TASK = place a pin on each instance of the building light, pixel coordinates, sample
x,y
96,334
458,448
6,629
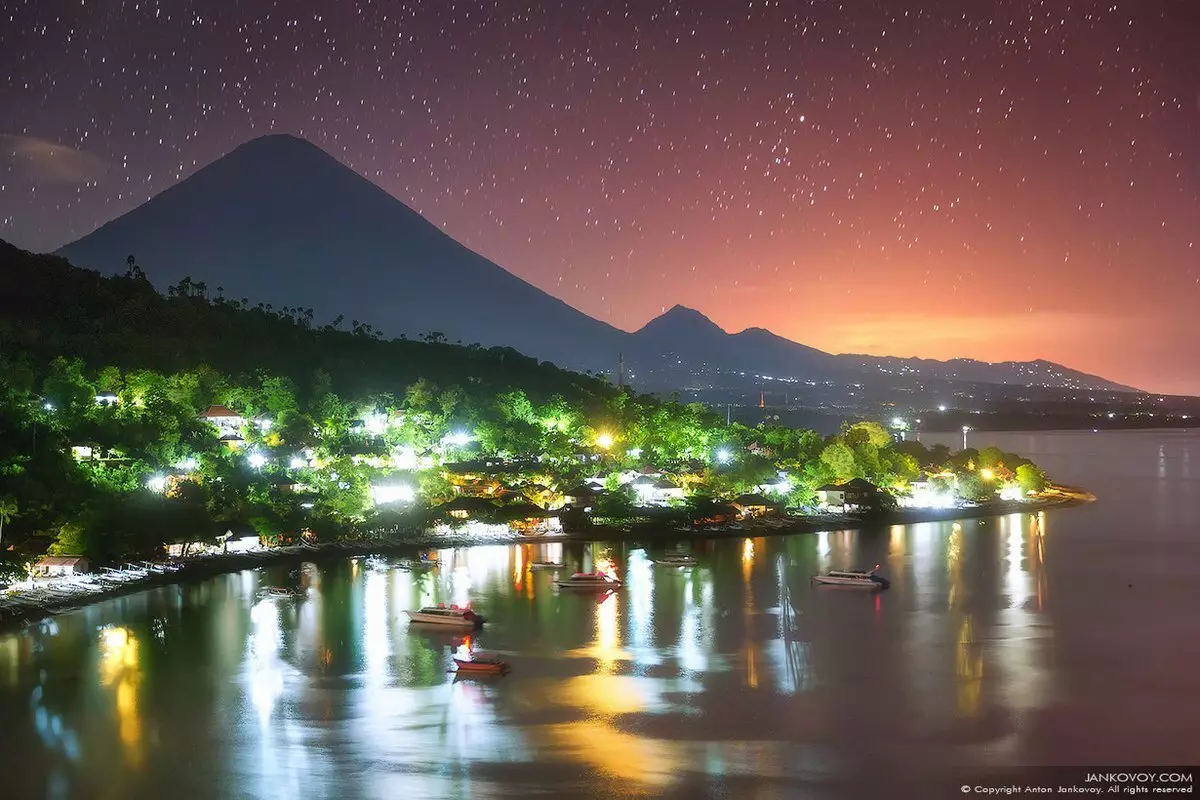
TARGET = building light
x,y
383,494
157,483
724,456
256,460
604,441
457,439
297,463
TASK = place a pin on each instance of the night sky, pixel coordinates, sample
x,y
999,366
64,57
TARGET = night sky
x,y
986,178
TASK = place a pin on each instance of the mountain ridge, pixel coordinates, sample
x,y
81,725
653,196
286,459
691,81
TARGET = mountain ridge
x,y
280,220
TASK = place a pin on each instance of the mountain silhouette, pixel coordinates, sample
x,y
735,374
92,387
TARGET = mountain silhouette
x,y
280,221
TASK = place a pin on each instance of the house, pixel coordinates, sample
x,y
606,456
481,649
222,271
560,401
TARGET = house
x,y
657,491
529,518
58,566
583,495
232,440
239,538
848,496
717,514
468,507
753,505
107,399
226,420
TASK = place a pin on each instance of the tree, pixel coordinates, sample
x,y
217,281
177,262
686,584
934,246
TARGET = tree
x,y
8,510
1031,478
838,460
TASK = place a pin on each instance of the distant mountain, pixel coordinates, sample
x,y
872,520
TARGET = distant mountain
x,y
280,221
691,338
685,336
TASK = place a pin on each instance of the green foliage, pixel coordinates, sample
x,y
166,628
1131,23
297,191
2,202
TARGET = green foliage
x,y
839,461
1031,478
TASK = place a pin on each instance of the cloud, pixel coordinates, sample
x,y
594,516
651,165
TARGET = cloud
x,y
41,161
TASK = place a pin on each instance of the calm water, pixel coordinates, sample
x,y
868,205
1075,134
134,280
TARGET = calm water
x,y
1064,638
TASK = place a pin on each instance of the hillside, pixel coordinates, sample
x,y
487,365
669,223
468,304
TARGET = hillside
x,y
50,308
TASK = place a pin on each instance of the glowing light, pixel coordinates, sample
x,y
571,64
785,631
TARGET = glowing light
x,y
747,551
987,474
48,406
297,463
376,424
1011,493
383,494
635,452
457,439
966,428
604,441
157,483
256,460
941,408
724,456
404,458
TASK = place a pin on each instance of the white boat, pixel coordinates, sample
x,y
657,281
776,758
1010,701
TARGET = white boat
x,y
546,565
441,615
589,580
853,578
676,560
279,592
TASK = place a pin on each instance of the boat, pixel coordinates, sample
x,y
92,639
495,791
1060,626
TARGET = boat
x,y
546,565
676,560
279,592
481,663
441,615
589,580
853,578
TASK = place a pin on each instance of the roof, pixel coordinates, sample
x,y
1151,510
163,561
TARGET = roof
x,y
665,484
831,487
60,561
752,499
525,511
218,411
468,504
862,485
581,489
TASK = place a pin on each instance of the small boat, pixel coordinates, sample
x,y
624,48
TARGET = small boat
x,y
279,593
589,580
546,565
853,578
676,560
481,663
441,615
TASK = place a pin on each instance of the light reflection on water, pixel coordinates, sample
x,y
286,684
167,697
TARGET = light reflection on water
x,y
729,674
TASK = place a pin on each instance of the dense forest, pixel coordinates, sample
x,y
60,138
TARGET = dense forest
x,y
130,419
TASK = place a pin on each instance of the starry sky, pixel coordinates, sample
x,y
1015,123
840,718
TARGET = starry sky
x,y
998,179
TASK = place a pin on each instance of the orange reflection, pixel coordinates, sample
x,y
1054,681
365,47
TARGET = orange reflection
x,y
119,665
968,668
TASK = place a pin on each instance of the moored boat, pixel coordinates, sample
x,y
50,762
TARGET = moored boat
x,y
853,578
546,565
280,593
443,615
481,663
589,580
676,560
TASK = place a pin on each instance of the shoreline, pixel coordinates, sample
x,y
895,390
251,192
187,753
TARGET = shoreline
x,y
205,567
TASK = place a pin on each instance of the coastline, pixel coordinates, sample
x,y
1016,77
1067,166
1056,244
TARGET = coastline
x,y
205,567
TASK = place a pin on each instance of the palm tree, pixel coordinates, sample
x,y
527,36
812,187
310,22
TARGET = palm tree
x,y
8,510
